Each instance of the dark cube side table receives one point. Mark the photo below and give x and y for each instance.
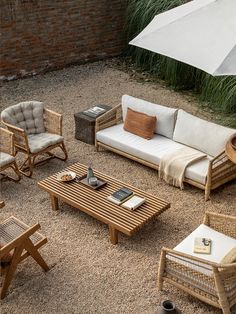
(85, 126)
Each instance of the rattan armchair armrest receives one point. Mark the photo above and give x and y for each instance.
(110, 118)
(6, 141)
(189, 257)
(20, 137)
(53, 122)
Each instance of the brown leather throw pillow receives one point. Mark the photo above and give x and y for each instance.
(140, 124)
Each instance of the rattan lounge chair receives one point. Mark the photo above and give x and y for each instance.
(37, 131)
(7, 159)
(206, 278)
(18, 241)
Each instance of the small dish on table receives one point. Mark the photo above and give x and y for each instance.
(66, 176)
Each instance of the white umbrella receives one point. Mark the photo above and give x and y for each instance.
(201, 33)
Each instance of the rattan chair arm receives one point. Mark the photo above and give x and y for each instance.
(53, 122)
(110, 118)
(190, 257)
(6, 141)
(20, 137)
(14, 243)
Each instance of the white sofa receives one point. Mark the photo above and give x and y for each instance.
(175, 129)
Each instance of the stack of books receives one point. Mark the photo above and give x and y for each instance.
(94, 112)
(126, 199)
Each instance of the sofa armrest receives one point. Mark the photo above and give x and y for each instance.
(222, 223)
(53, 122)
(110, 118)
(220, 171)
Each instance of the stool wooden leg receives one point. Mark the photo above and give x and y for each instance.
(113, 235)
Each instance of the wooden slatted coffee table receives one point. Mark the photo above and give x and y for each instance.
(95, 203)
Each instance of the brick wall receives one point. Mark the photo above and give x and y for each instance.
(38, 35)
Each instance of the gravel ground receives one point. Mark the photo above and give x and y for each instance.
(88, 274)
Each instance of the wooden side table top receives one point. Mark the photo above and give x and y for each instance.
(95, 203)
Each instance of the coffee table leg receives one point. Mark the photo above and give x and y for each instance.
(54, 202)
(113, 235)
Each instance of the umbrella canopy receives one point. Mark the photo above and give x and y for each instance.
(201, 33)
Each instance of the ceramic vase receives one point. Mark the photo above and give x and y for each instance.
(167, 307)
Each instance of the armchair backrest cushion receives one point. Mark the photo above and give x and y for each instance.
(165, 116)
(26, 115)
(205, 136)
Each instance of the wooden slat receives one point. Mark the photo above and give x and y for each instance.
(96, 204)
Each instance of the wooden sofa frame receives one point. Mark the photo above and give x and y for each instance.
(53, 124)
(218, 289)
(220, 171)
(7, 146)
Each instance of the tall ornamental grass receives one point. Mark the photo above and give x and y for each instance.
(218, 92)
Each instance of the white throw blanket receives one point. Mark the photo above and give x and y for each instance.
(173, 165)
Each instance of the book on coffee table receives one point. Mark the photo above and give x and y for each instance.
(119, 196)
(133, 202)
(202, 245)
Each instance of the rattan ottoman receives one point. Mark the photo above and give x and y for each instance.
(85, 126)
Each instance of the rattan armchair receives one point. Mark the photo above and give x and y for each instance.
(7, 159)
(37, 131)
(213, 283)
(17, 242)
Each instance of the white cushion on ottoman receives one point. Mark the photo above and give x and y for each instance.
(205, 136)
(165, 116)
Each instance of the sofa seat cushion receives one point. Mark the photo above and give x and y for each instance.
(221, 245)
(5, 159)
(205, 136)
(150, 150)
(166, 116)
(38, 142)
(26, 115)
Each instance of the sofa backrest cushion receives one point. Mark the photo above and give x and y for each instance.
(205, 136)
(165, 116)
(26, 115)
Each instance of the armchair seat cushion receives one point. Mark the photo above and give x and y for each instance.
(221, 245)
(38, 142)
(5, 159)
(150, 150)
